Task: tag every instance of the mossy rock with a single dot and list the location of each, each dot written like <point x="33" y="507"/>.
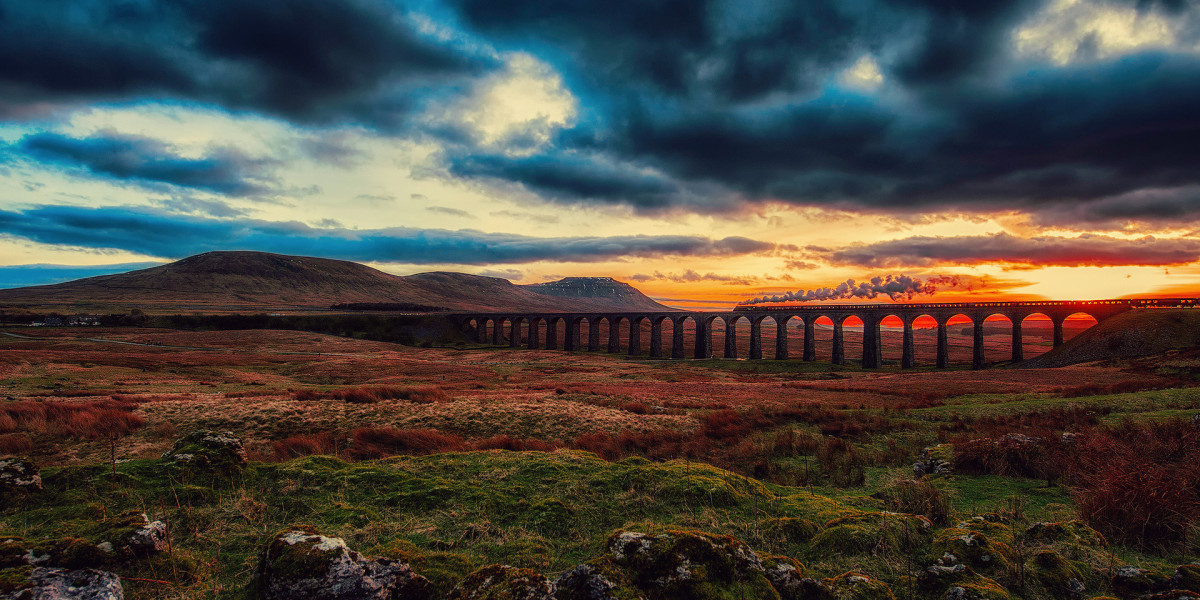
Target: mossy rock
<point x="971" y="548"/>
<point x="690" y="565"/>
<point x="207" y="453"/>
<point x="858" y="586"/>
<point x="15" y="578"/>
<point x="502" y="582"/>
<point x="443" y="569"/>
<point x="18" y="478"/>
<point x="786" y="575"/>
<point x="1057" y="574"/>
<point x="994" y="526"/>
<point x="1130" y="581"/>
<point x="599" y="579"/>
<point x="132" y="535"/>
<point x="301" y="563"/>
<point x="986" y="590"/>
<point x="872" y="533"/>
<point x="1186" y="577"/>
<point x="940" y="580"/>
<point x="1066" y="532"/>
<point x="789" y="530"/>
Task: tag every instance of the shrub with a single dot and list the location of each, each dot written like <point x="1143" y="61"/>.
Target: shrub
<point x="508" y="442"/>
<point x="101" y="419"/>
<point x="15" y="443"/>
<point x="305" y="445"/>
<point x="377" y="442"/>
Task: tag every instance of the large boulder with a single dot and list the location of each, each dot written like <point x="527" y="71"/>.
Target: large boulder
<point x="587" y="582"/>
<point x="1058" y="575"/>
<point x="689" y="564"/>
<point x="41" y="583"/>
<point x="301" y="564"/>
<point x="18" y="477"/>
<point x="208" y="452"/>
<point x="1130" y="581"/>
<point x="502" y="582"/>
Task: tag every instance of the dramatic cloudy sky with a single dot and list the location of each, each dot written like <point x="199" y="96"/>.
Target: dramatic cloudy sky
<point x="709" y="150"/>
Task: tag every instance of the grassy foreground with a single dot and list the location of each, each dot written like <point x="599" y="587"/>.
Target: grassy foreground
<point x="450" y="514"/>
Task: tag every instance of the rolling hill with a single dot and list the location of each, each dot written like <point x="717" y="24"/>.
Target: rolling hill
<point x="1133" y="334"/>
<point x="233" y="281"/>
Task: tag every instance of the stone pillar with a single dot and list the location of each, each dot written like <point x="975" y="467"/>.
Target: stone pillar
<point x="872" y="357"/>
<point x="839" y="350"/>
<point x="943" y="346"/>
<point x="730" y="337"/>
<point x="571" y="336"/>
<point x="703" y="338"/>
<point x="481" y="331"/>
<point x="655" y="338"/>
<point x="635" y="336"/>
<point x="781" y="339"/>
<point x="978" y="361"/>
<point x="908" y="353"/>
<point x="514" y="332"/>
<point x="593" y="334"/>
<point x="1018" y="343"/>
<point x="552" y="334"/>
<point x="497" y="331"/>
<point x="756" y="339"/>
<point x="533" y="333"/>
<point x="1058" y="332"/>
<point x="677" y="338"/>
<point x="810" y="338"/>
<point x="614" y="335"/>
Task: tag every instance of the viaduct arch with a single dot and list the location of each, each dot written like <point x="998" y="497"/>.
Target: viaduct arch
<point x="527" y="327"/>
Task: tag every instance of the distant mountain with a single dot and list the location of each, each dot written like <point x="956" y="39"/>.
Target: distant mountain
<point x="597" y="288"/>
<point x="242" y="281"/>
<point x="1137" y="333"/>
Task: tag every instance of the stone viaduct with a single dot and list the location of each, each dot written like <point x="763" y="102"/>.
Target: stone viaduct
<point x="478" y="325"/>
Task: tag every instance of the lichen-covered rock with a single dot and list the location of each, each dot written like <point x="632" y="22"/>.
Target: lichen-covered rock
<point x="133" y="535"/>
<point x="1186" y="577"/>
<point x="303" y="564"/>
<point x="1068" y="532"/>
<point x="18" y="477"/>
<point x="993" y="525"/>
<point x="874" y="533"/>
<point x="857" y="586"/>
<point x="41" y="583"/>
<point x="970" y="548"/>
<point x="977" y="591"/>
<point x="587" y="582"/>
<point x="1059" y="576"/>
<point x="786" y="575"/>
<point x="1130" y="581"/>
<point x="960" y="582"/>
<point x="689" y="564"/>
<point x="935" y="460"/>
<point x="210" y="452"/>
<point x="502" y="582"/>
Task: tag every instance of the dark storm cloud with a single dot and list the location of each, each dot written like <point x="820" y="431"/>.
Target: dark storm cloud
<point x="145" y="160"/>
<point x="1084" y="250"/>
<point x="172" y="236"/>
<point x="740" y="98"/>
<point x="307" y="60"/>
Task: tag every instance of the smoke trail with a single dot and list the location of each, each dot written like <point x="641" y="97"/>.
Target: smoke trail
<point x="895" y="287"/>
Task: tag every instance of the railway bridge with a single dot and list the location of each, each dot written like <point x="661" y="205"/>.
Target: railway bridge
<point x="479" y="325"/>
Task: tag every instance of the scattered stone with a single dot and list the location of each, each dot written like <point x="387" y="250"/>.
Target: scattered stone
<point x="1130" y="581"/>
<point x="219" y="453"/>
<point x="42" y="583"/>
<point x="857" y="586"/>
<point x="935" y="460"/>
<point x="972" y="548"/>
<point x="301" y="564"/>
<point x="134" y="535"/>
<point x="18" y="477"/>
<point x="584" y="582"/>
<point x="502" y="582"/>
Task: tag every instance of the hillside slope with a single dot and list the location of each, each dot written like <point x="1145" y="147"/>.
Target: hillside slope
<point x="239" y="281"/>
<point x="1129" y="335"/>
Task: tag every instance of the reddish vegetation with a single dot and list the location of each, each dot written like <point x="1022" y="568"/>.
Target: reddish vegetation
<point x="83" y="420"/>
<point x="421" y="395"/>
<point x="305" y="445"/>
<point x="377" y="442"/>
